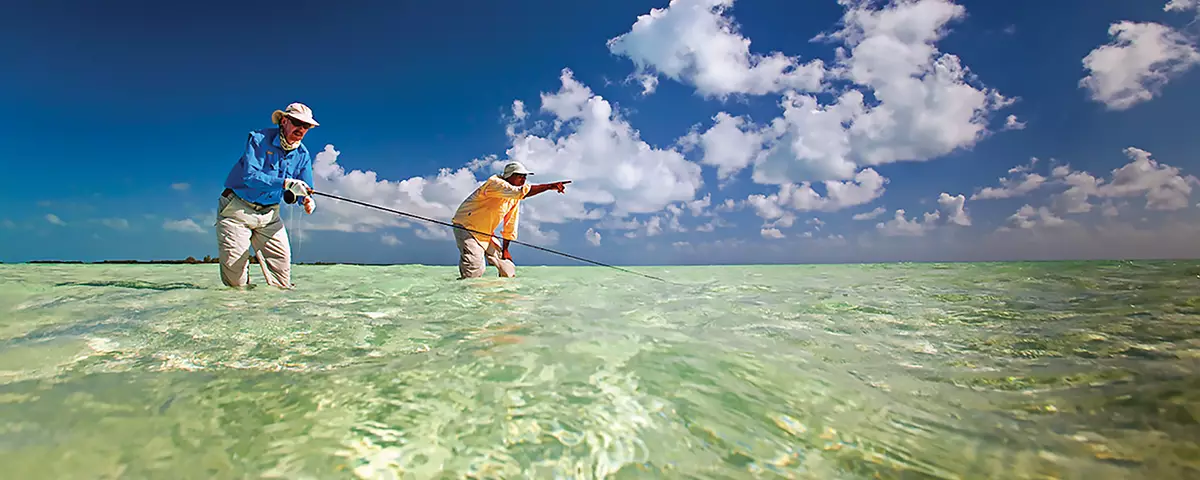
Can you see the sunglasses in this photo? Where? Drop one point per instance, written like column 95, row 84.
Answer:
column 298, row 124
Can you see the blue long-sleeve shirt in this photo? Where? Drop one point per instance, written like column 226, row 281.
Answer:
column 258, row 175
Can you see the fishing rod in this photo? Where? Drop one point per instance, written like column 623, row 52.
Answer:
column 451, row 225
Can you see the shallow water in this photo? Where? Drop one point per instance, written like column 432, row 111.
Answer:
column 1016, row 370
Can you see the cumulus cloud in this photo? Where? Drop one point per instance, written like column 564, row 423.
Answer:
column 871, row 214
column 864, row 188
column 1011, row 123
column 593, row 237
column 390, row 240
column 1020, row 182
column 693, row 41
column 186, row 225
column 902, row 226
column 730, row 144
column 771, row 233
column 1182, row 6
column 614, row 174
column 1139, row 60
column 1164, row 187
column 901, row 100
column 1110, row 210
column 605, row 157
column 518, row 108
column 953, row 209
column 53, row 219
column 180, row 186
column 1028, row 217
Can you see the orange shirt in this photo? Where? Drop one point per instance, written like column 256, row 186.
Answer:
column 492, row 202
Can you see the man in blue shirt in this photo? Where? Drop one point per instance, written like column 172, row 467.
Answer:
column 275, row 161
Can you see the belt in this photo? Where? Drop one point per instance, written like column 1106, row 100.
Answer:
column 257, row 206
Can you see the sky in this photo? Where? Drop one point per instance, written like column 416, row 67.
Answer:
column 693, row 131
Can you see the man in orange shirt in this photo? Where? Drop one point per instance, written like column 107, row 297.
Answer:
column 498, row 199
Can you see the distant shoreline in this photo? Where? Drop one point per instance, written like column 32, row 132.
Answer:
column 254, row 260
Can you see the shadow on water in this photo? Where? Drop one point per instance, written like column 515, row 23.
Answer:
column 138, row 284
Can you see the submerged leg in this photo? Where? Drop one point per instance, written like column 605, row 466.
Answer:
column 470, row 255
column 275, row 253
column 233, row 247
column 506, row 267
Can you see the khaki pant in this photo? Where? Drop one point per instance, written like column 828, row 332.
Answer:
column 240, row 226
column 472, row 255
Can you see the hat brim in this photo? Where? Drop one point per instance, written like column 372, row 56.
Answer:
column 278, row 115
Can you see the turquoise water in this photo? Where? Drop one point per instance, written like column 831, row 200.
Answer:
column 1018, row 370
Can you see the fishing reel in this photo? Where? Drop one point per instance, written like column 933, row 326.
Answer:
column 289, row 197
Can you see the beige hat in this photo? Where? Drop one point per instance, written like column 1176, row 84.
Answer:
column 298, row 111
column 515, row 167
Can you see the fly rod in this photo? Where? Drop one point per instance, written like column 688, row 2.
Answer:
column 451, row 225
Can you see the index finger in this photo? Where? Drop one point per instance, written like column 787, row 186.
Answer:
column 566, row 182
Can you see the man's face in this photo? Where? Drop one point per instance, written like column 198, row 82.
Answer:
column 517, row 179
column 294, row 130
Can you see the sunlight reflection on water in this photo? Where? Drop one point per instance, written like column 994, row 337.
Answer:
column 1067, row 370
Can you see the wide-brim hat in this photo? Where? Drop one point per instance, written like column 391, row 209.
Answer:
column 516, row 168
column 298, row 111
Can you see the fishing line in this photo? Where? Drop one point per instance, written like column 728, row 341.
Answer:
column 451, row 225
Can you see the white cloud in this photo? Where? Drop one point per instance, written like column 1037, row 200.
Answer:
column 926, row 106
column 953, row 209
column 593, row 237
column 613, row 172
column 518, row 108
column 771, row 233
column 390, row 240
column 186, row 225
column 730, row 144
column 1137, row 63
column 871, row 214
column 697, row 206
column 432, row 196
column 1011, row 123
column 1110, row 210
column 604, row 156
column 1028, row 217
column 52, row 218
column 1164, row 186
column 769, row 207
column 8, row 224
column 867, row 186
column 1075, row 198
column 786, row 221
column 1182, row 5
column 180, row 186
column 901, row 226
column 922, row 103
column 1019, row 182
column 693, row 41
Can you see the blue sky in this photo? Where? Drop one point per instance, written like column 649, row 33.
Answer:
column 122, row 121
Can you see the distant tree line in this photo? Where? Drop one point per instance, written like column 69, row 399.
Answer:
column 186, row 261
